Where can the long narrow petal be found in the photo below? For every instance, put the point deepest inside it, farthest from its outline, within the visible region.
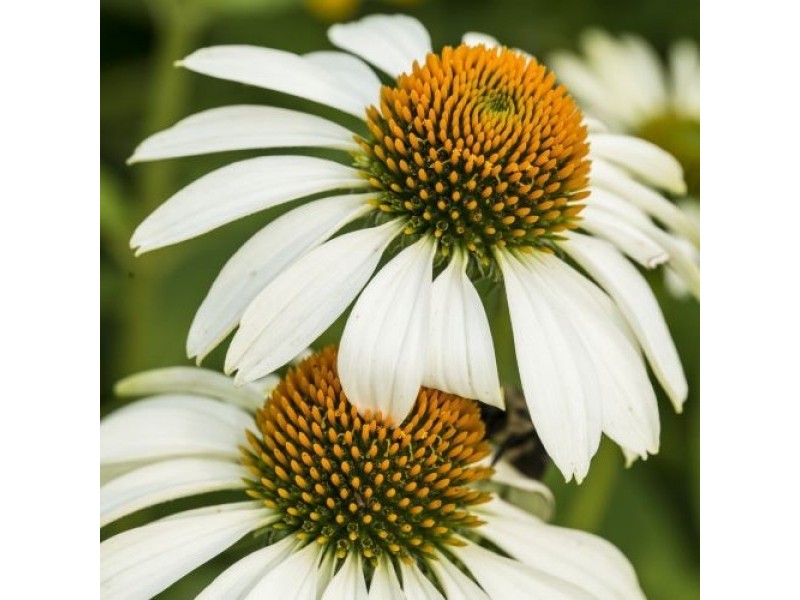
(587, 561)
(456, 585)
(385, 585)
(261, 259)
(165, 481)
(172, 426)
(615, 180)
(628, 238)
(277, 70)
(293, 579)
(141, 562)
(192, 381)
(238, 190)
(391, 43)
(301, 302)
(640, 307)
(558, 387)
(641, 158)
(627, 398)
(503, 577)
(684, 60)
(507, 474)
(243, 128)
(235, 581)
(416, 586)
(461, 357)
(348, 582)
(351, 72)
(383, 349)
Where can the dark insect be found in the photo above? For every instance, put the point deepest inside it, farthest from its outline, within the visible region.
(514, 436)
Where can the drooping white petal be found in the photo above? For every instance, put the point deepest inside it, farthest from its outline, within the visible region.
(646, 69)
(627, 398)
(461, 357)
(503, 577)
(167, 480)
(261, 259)
(390, 42)
(172, 426)
(382, 354)
(684, 61)
(609, 177)
(243, 128)
(558, 387)
(507, 474)
(301, 302)
(587, 561)
(640, 307)
(141, 562)
(235, 581)
(189, 380)
(475, 38)
(238, 190)
(351, 72)
(628, 238)
(416, 586)
(385, 585)
(348, 582)
(457, 586)
(295, 578)
(277, 70)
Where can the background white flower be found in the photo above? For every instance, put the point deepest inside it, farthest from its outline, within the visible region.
(481, 180)
(341, 536)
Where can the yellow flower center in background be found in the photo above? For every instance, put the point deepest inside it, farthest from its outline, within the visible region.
(480, 148)
(359, 482)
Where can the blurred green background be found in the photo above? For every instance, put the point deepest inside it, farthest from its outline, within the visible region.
(650, 511)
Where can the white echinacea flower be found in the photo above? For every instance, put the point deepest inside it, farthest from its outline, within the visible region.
(340, 505)
(622, 81)
(474, 162)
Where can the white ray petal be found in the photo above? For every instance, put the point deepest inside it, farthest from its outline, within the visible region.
(585, 560)
(643, 159)
(507, 474)
(640, 307)
(609, 177)
(164, 481)
(277, 70)
(628, 238)
(325, 571)
(646, 69)
(261, 259)
(594, 125)
(627, 398)
(192, 381)
(503, 577)
(684, 61)
(382, 354)
(476, 38)
(238, 190)
(348, 582)
(235, 581)
(295, 578)
(416, 586)
(390, 42)
(244, 127)
(385, 585)
(351, 72)
(141, 562)
(456, 585)
(301, 302)
(461, 357)
(559, 388)
(172, 426)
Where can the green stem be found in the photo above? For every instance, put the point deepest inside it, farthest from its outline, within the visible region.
(178, 25)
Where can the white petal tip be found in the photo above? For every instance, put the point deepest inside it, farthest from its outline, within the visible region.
(657, 261)
(180, 63)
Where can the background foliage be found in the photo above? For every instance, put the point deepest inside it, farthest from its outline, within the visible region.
(650, 511)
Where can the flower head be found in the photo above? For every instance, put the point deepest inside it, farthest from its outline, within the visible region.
(342, 505)
(474, 163)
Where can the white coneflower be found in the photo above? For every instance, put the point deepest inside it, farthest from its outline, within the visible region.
(473, 163)
(344, 505)
(622, 81)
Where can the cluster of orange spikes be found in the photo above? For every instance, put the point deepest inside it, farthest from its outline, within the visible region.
(359, 483)
(479, 147)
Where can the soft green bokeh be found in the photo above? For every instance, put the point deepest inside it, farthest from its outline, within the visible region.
(650, 511)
